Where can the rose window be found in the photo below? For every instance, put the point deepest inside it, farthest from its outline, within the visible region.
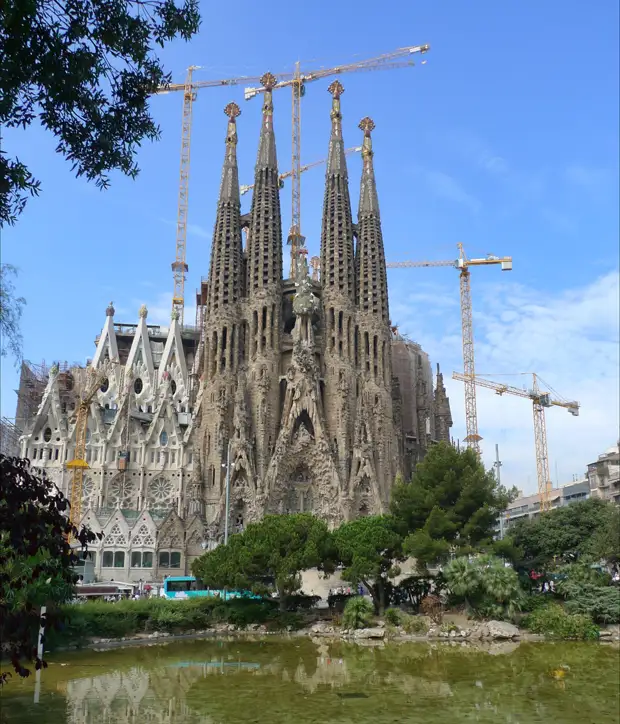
(120, 492)
(160, 490)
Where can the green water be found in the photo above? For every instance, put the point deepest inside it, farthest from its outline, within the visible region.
(296, 680)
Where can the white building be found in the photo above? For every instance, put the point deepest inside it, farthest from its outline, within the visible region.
(604, 475)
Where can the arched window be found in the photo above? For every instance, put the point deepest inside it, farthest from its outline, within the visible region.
(163, 438)
(137, 386)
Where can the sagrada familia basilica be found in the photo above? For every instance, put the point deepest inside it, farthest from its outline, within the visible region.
(301, 383)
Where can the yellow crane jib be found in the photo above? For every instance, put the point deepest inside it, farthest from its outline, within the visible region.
(541, 399)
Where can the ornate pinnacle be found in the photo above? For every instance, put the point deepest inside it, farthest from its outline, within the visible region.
(336, 88)
(110, 310)
(143, 312)
(268, 81)
(232, 110)
(367, 125)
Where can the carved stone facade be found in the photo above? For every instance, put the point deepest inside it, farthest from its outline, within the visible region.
(300, 383)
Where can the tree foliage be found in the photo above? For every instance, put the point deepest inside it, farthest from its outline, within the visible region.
(487, 587)
(269, 555)
(565, 534)
(85, 69)
(451, 502)
(36, 558)
(357, 613)
(369, 549)
(11, 307)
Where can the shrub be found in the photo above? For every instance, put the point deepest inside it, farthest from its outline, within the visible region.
(393, 617)
(556, 623)
(601, 604)
(431, 606)
(488, 588)
(357, 613)
(448, 627)
(299, 601)
(415, 625)
(337, 601)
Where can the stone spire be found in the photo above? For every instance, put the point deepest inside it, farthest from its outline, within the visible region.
(337, 255)
(265, 234)
(370, 259)
(443, 414)
(225, 277)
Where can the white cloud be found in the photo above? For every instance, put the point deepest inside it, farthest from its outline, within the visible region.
(447, 187)
(569, 338)
(159, 309)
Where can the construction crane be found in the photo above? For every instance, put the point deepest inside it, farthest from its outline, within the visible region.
(189, 88)
(78, 465)
(244, 189)
(462, 263)
(540, 400)
(297, 83)
(297, 80)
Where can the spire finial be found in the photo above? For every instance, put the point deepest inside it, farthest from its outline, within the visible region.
(268, 81)
(336, 88)
(232, 110)
(367, 125)
(109, 312)
(143, 312)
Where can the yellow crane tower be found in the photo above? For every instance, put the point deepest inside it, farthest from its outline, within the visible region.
(387, 61)
(297, 80)
(469, 368)
(283, 176)
(78, 465)
(540, 400)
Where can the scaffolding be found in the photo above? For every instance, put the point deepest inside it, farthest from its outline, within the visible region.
(9, 438)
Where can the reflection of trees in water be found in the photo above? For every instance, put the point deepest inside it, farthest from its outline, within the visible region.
(302, 681)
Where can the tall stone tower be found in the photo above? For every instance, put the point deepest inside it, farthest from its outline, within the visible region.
(264, 288)
(338, 290)
(224, 327)
(376, 445)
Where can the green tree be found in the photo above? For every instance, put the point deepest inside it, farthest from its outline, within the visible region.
(11, 307)
(563, 535)
(605, 541)
(269, 555)
(369, 549)
(486, 586)
(451, 502)
(85, 69)
(36, 559)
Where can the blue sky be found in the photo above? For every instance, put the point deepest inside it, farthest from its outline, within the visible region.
(505, 140)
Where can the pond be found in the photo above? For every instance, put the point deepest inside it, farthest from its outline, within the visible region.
(301, 681)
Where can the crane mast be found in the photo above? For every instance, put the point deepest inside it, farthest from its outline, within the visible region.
(179, 265)
(540, 400)
(78, 465)
(467, 328)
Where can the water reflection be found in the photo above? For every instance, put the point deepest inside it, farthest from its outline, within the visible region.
(305, 681)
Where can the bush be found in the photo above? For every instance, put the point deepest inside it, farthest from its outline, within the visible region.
(337, 601)
(556, 623)
(393, 617)
(485, 585)
(431, 606)
(357, 613)
(299, 601)
(601, 604)
(415, 625)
